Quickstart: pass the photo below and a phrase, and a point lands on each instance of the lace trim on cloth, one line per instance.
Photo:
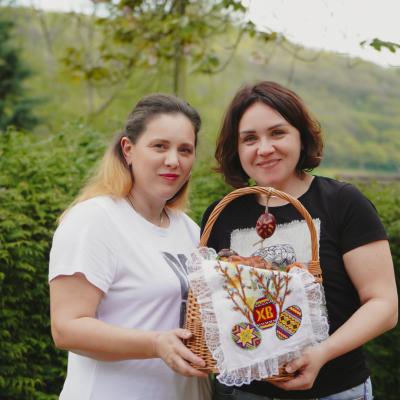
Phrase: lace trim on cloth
(257, 370)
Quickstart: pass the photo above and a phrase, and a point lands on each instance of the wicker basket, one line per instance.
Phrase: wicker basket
(197, 342)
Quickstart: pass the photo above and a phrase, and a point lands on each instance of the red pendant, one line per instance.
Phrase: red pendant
(266, 225)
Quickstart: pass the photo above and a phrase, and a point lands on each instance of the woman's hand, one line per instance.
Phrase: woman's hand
(306, 368)
(169, 347)
(370, 268)
(74, 301)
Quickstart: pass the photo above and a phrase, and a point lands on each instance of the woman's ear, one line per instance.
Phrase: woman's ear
(126, 147)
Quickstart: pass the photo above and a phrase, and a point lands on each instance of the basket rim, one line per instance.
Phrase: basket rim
(314, 265)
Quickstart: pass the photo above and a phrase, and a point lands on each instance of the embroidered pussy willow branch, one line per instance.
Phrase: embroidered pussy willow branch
(280, 282)
(235, 294)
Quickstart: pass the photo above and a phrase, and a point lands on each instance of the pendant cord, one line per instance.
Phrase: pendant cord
(161, 215)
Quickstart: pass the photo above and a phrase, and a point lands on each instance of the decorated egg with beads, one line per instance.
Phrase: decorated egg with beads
(226, 253)
(264, 313)
(266, 225)
(289, 322)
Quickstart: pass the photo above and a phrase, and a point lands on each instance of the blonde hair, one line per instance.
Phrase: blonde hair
(113, 176)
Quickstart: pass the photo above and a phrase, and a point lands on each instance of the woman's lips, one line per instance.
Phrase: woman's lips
(267, 164)
(170, 177)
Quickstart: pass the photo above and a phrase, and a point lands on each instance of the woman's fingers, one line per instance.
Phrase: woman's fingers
(184, 368)
(301, 382)
(295, 365)
(185, 353)
(306, 368)
(298, 382)
(182, 333)
(176, 355)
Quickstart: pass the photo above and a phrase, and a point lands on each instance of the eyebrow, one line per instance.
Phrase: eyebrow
(269, 129)
(168, 141)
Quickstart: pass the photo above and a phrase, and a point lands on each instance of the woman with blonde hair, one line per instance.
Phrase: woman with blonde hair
(117, 271)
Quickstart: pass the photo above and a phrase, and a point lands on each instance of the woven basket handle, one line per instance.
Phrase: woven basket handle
(314, 265)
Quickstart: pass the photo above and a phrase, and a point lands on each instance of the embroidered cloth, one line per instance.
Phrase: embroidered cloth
(255, 320)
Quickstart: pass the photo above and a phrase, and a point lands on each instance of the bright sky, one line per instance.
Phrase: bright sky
(337, 25)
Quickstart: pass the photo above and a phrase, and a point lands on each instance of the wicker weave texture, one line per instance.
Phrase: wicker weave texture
(197, 343)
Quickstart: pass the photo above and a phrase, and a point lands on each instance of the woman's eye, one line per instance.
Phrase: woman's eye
(159, 146)
(186, 150)
(278, 133)
(249, 139)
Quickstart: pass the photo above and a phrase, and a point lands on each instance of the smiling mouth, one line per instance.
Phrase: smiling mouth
(267, 164)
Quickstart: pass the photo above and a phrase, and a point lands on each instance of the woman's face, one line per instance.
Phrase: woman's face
(162, 157)
(268, 147)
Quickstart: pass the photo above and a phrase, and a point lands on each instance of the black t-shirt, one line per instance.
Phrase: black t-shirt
(347, 220)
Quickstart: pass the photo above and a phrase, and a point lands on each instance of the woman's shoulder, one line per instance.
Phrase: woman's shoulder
(336, 190)
(184, 219)
(349, 207)
(330, 184)
(95, 210)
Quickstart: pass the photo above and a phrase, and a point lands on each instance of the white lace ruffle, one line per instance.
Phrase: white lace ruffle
(258, 370)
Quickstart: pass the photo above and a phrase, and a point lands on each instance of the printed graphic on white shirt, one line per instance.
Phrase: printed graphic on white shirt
(178, 264)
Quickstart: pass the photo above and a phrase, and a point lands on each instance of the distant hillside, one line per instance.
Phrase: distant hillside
(356, 102)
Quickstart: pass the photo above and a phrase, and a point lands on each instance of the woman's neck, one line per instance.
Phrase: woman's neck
(295, 188)
(152, 211)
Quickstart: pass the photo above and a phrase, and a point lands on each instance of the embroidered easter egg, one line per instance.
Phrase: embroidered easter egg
(289, 322)
(264, 313)
(246, 336)
(266, 225)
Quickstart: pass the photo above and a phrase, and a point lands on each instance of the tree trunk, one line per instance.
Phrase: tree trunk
(179, 58)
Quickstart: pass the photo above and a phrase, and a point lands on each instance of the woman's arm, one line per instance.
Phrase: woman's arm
(370, 268)
(73, 304)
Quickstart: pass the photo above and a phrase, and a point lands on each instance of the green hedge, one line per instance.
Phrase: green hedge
(38, 179)
(384, 352)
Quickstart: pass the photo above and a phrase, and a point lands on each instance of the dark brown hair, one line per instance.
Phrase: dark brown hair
(286, 103)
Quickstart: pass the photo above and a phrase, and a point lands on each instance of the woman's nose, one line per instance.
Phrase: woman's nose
(172, 159)
(265, 147)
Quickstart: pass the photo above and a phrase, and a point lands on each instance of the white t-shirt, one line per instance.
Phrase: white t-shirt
(141, 268)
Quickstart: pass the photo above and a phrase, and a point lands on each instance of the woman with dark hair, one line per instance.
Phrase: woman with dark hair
(269, 136)
(118, 283)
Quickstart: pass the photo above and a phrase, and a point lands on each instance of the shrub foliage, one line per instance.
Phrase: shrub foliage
(384, 352)
(38, 180)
